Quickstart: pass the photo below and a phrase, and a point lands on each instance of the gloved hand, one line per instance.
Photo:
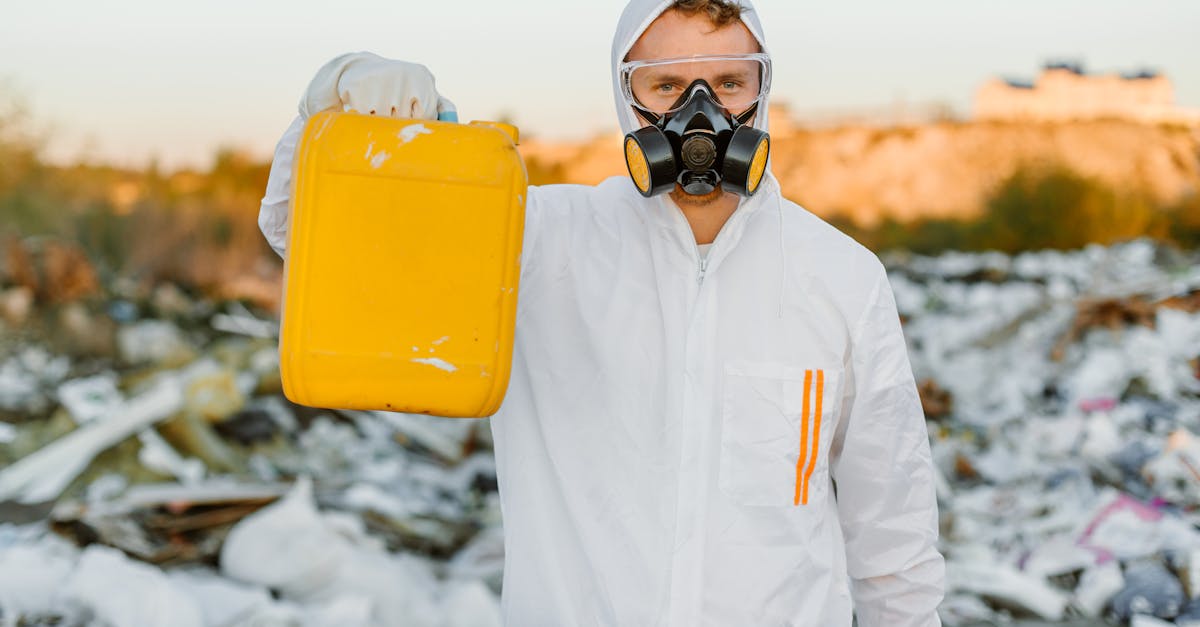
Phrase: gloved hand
(371, 84)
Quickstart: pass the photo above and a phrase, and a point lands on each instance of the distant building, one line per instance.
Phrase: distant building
(1064, 91)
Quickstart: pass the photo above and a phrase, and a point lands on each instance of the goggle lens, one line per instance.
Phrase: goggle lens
(737, 81)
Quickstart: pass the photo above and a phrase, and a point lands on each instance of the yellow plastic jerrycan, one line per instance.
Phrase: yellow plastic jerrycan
(402, 267)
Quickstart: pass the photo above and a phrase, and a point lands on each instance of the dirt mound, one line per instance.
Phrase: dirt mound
(946, 169)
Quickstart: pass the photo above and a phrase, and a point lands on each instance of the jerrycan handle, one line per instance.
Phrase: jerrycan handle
(507, 129)
(451, 115)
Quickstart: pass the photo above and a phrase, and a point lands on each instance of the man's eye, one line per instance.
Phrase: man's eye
(665, 88)
(730, 85)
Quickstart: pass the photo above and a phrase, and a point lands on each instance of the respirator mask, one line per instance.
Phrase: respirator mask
(699, 109)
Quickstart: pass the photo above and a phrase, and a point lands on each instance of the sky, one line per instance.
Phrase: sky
(130, 81)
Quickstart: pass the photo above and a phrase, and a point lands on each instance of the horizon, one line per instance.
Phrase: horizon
(157, 87)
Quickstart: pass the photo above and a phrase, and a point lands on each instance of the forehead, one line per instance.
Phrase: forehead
(674, 34)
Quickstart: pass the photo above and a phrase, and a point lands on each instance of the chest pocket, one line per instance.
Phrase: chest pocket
(777, 425)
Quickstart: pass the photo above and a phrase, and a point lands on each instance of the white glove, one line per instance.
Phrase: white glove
(368, 83)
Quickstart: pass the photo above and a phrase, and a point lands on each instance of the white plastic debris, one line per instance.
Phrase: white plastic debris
(1142, 620)
(156, 454)
(470, 604)
(1098, 585)
(1104, 373)
(1175, 472)
(106, 487)
(97, 398)
(221, 601)
(482, 558)
(1124, 528)
(42, 475)
(446, 438)
(243, 323)
(91, 398)
(369, 497)
(316, 559)
(26, 377)
(152, 342)
(960, 610)
(1101, 439)
(1160, 355)
(265, 362)
(285, 545)
(31, 576)
(1058, 556)
(275, 407)
(1007, 586)
(1002, 464)
(120, 591)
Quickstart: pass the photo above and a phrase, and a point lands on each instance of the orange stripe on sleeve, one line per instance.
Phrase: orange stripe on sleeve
(803, 436)
(812, 461)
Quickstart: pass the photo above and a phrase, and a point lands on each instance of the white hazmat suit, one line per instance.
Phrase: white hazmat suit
(676, 425)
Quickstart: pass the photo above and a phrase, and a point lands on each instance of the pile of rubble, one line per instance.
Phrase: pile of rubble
(1063, 393)
(151, 472)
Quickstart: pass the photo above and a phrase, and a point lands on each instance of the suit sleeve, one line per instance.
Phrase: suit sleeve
(883, 471)
(273, 213)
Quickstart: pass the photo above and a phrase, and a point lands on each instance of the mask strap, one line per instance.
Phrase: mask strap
(747, 114)
(649, 115)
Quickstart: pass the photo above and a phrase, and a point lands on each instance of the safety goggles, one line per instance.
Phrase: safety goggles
(738, 81)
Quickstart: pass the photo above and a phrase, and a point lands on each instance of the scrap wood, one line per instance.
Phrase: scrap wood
(165, 523)
(1113, 314)
(430, 535)
(1116, 313)
(205, 493)
(178, 497)
(205, 519)
(964, 469)
(19, 268)
(67, 274)
(935, 400)
(1189, 301)
(56, 271)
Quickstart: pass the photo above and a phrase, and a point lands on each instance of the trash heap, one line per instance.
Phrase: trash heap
(151, 472)
(1062, 392)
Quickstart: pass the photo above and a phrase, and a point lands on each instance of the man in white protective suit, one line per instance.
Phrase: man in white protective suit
(711, 418)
